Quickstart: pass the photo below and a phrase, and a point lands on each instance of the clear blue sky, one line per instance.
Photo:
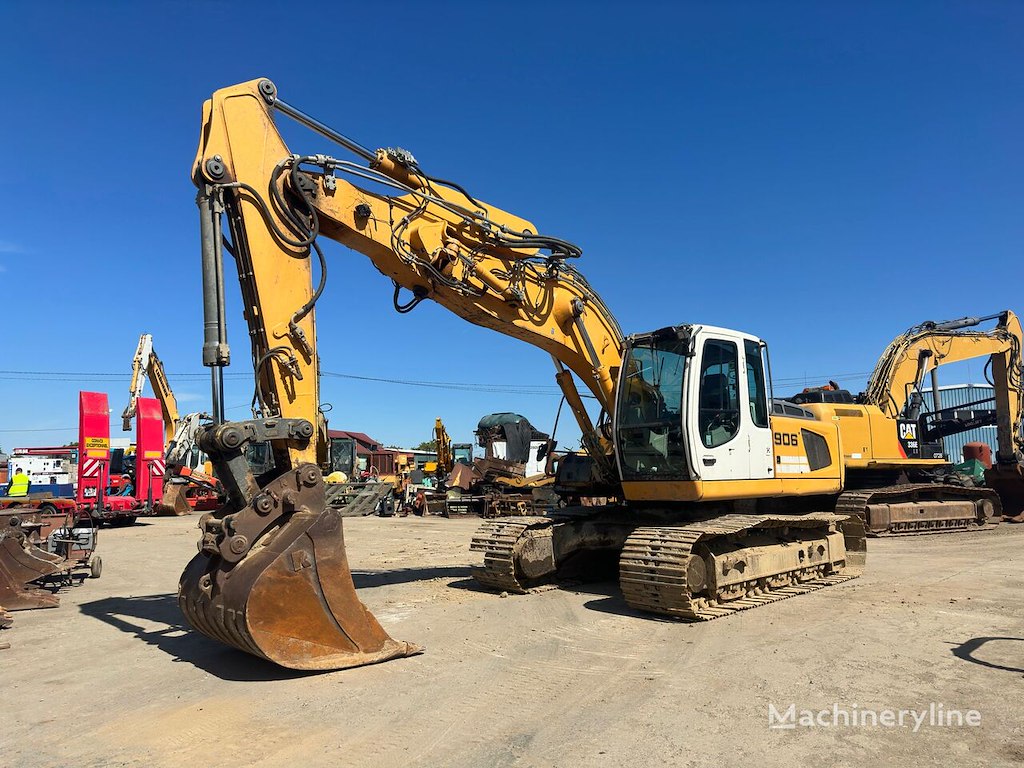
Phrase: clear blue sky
(821, 174)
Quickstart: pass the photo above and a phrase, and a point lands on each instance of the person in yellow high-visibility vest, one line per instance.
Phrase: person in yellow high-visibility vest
(19, 484)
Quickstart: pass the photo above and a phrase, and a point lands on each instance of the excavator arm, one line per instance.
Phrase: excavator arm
(145, 365)
(272, 577)
(895, 384)
(443, 443)
(433, 239)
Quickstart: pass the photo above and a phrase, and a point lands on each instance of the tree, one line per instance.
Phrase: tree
(427, 445)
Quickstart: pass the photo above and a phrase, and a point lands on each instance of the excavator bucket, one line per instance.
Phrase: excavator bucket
(1008, 481)
(173, 501)
(288, 597)
(21, 563)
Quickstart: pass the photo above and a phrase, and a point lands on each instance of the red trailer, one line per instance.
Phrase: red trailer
(97, 496)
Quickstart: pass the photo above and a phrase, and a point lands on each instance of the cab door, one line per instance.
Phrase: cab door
(730, 436)
(759, 434)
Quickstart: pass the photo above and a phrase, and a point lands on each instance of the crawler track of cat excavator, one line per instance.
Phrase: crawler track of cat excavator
(692, 571)
(901, 510)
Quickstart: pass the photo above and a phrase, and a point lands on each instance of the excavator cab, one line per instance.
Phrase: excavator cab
(693, 405)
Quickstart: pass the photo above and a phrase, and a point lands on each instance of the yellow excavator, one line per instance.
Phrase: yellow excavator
(146, 365)
(728, 498)
(894, 394)
(440, 467)
(185, 470)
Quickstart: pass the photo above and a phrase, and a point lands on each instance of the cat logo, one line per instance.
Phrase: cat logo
(908, 430)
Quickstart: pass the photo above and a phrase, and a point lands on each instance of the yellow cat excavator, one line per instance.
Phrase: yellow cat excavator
(728, 497)
(895, 392)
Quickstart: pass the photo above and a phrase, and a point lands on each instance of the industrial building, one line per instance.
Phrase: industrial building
(966, 401)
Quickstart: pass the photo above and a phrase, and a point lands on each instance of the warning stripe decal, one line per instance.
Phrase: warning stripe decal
(91, 468)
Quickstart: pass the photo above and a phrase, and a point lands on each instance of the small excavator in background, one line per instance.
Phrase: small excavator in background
(146, 365)
(448, 453)
(727, 499)
(187, 484)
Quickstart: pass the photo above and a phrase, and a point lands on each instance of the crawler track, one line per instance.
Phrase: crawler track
(857, 503)
(498, 540)
(655, 563)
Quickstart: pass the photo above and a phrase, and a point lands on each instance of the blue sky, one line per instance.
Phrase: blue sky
(823, 175)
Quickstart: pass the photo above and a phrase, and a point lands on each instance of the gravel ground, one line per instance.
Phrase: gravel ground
(563, 677)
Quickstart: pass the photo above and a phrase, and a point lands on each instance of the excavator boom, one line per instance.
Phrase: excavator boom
(145, 365)
(275, 543)
(894, 386)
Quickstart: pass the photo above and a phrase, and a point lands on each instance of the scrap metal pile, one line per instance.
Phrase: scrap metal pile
(39, 553)
(512, 478)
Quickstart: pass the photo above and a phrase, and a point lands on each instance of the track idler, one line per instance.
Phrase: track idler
(273, 580)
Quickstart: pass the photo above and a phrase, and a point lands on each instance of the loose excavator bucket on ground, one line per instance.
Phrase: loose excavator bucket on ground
(173, 502)
(272, 579)
(22, 563)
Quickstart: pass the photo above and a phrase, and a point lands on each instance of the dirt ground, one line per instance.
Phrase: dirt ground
(564, 677)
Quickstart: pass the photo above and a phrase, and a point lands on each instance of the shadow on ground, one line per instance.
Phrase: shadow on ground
(968, 651)
(594, 573)
(601, 584)
(175, 638)
(365, 579)
(609, 599)
(157, 620)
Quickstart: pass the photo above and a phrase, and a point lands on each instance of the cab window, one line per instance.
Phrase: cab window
(650, 419)
(719, 399)
(755, 384)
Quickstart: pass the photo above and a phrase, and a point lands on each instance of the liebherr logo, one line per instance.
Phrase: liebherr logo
(936, 715)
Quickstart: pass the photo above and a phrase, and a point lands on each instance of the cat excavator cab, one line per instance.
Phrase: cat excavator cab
(727, 499)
